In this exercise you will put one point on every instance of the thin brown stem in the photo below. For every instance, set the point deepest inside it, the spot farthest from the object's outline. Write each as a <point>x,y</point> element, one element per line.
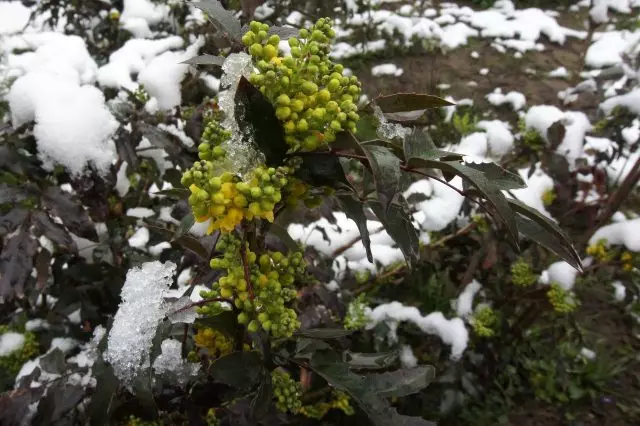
<point>353,242</point>
<point>202,303</point>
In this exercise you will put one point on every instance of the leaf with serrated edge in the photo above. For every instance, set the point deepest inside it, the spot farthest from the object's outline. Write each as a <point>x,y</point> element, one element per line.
<point>284,236</point>
<point>399,227</point>
<point>354,209</point>
<point>418,145</point>
<point>336,372</point>
<point>540,227</point>
<point>385,167</point>
<point>401,102</point>
<point>499,177</point>
<point>222,18</point>
<point>401,382</point>
<point>370,361</point>
<point>206,60</point>
<point>488,190</point>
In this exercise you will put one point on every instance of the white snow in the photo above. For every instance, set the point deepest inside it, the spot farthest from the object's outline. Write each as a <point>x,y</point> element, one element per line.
<point>156,250</point>
<point>10,342</point>
<point>620,291</point>
<point>536,186</point>
<point>451,331</point>
<point>140,212</point>
<point>73,126</point>
<point>560,72</point>
<point>407,357</point>
<point>386,69</point>
<point>13,17</point>
<point>464,303</point>
<point>625,233</point>
<point>516,99</point>
<point>65,344</point>
<point>561,273</point>
<point>171,365</point>
<point>630,100</point>
<point>499,137</point>
<point>139,314</point>
<point>140,238</point>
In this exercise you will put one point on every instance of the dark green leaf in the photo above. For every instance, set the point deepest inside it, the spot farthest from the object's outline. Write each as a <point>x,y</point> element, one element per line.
<point>320,169</point>
<point>11,194</point>
<point>371,361</point>
<point>385,167</point>
<point>490,191</point>
<point>206,60</point>
<point>398,225</point>
<point>366,128</point>
<point>222,18</point>
<point>257,117</point>
<point>539,228</point>
<point>178,193</point>
<point>239,370</point>
<point>70,210</point>
<point>401,382</point>
<point>305,348</point>
<point>142,389</point>
<point>283,235</point>
<point>59,400</point>
<point>187,241</point>
<point>324,333</point>
<point>330,366</point>
<point>186,224</point>
<point>418,145</point>
<point>263,399</point>
<point>53,362</point>
<point>401,102</point>
<point>555,134</point>
<point>346,141</point>
<point>104,395</point>
<point>10,221</point>
<point>354,209</point>
<point>53,231</point>
<point>16,262</point>
<point>499,177</point>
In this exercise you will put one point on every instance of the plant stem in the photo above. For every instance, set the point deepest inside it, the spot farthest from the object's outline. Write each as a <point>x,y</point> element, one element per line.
<point>202,303</point>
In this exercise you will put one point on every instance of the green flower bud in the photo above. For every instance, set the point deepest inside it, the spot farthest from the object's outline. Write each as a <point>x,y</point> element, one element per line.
<point>309,88</point>
<point>274,40</point>
<point>283,113</point>
<point>255,50</point>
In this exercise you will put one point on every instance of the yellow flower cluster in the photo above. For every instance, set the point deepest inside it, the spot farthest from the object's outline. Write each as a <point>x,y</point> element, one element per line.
<point>216,343</point>
<point>340,401</point>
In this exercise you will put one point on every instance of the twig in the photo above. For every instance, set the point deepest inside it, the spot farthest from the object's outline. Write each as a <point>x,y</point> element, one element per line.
<point>201,303</point>
<point>351,243</point>
<point>471,226</point>
<point>245,266</point>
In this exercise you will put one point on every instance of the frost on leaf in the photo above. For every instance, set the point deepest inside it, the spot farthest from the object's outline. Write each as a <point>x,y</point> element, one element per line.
<point>139,314</point>
<point>388,130</point>
<point>241,151</point>
<point>170,365</point>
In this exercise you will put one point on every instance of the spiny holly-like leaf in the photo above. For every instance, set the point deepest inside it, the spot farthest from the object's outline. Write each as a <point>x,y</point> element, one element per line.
<point>385,167</point>
<point>539,228</point>
<point>324,333</point>
<point>263,399</point>
<point>10,221</point>
<point>419,146</point>
<point>69,209</point>
<point>401,102</point>
<point>240,370</point>
<point>398,225</point>
<point>187,241</point>
<point>222,18</point>
<point>161,139</point>
<point>370,361</point>
<point>284,236</point>
<point>499,177</point>
<point>186,224</point>
<point>256,116</point>
<point>16,262</point>
<point>330,366</point>
<point>53,231</point>
<point>354,209</point>
<point>61,398</point>
<point>206,60</point>
<point>489,191</point>
<point>104,395</point>
<point>401,382</point>
<point>320,169</point>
